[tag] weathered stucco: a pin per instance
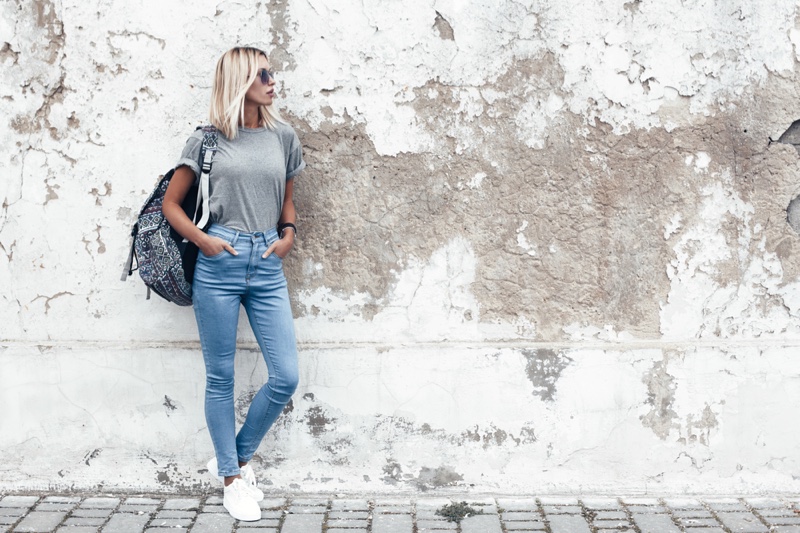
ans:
(541, 243)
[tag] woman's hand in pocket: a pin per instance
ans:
(281, 247)
(214, 246)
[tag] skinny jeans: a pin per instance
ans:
(221, 284)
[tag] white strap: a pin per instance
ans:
(202, 191)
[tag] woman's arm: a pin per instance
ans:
(179, 185)
(283, 246)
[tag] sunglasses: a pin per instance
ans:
(265, 75)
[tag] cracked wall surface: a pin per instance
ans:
(555, 211)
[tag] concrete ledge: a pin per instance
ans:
(507, 419)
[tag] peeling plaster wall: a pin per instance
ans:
(544, 245)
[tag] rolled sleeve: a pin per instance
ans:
(191, 155)
(294, 162)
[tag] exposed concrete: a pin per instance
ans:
(538, 240)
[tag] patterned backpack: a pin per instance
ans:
(164, 259)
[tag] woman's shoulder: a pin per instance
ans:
(285, 132)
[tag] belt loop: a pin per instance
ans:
(266, 242)
(235, 238)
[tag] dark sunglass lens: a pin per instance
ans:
(264, 76)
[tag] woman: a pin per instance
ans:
(241, 260)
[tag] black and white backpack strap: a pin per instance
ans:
(209, 148)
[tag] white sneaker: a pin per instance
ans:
(249, 477)
(239, 504)
(247, 474)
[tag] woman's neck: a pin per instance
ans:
(251, 117)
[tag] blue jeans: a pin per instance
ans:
(221, 284)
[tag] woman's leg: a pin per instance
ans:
(216, 300)
(270, 315)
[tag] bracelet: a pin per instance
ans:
(285, 225)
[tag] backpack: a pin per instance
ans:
(164, 259)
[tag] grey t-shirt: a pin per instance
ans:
(248, 175)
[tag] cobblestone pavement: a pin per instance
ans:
(110, 513)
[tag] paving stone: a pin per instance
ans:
(77, 529)
(601, 503)
(734, 507)
(647, 509)
(175, 514)
(40, 521)
(84, 521)
(264, 522)
(214, 500)
(392, 524)
(350, 505)
(181, 504)
(307, 510)
(514, 516)
(55, 506)
(486, 508)
(565, 523)
(784, 511)
(432, 503)
(432, 525)
(610, 515)
(783, 520)
(429, 514)
(637, 500)
(742, 522)
(342, 524)
(18, 501)
(614, 530)
(562, 509)
(518, 504)
(699, 522)
(684, 503)
(93, 513)
(13, 511)
(706, 530)
(165, 530)
(316, 502)
(764, 503)
(611, 523)
(558, 500)
(271, 503)
(272, 514)
(655, 523)
(142, 501)
(786, 529)
(62, 499)
(721, 500)
(136, 508)
(392, 509)
(348, 515)
(263, 530)
(481, 524)
(126, 523)
(213, 523)
(171, 522)
(337, 530)
(524, 526)
(8, 520)
(99, 503)
(213, 509)
(692, 513)
(302, 523)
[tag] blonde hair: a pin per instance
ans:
(236, 71)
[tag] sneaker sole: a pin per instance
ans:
(243, 517)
